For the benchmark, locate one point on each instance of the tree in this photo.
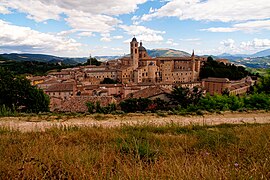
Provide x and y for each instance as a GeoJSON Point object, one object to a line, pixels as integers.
{"type": "Point", "coordinates": [17, 93]}
{"type": "Point", "coordinates": [109, 81]}
{"type": "Point", "coordinates": [93, 61]}
{"type": "Point", "coordinates": [185, 96]}
{"type": "Point", "coordinates": [263, 85]}
{"type": "Point", "coordinates": [220, 70]}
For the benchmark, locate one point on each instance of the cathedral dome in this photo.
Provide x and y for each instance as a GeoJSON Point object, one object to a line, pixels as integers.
{"type": "Point", "coordinates": [141, 48]}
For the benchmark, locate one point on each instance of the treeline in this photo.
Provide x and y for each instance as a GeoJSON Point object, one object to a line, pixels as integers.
{"type": "Point", "coordinates": [220, 70]}
{"type": "Point", "coordinates": [32, 67]}
{"type": "Point", "coordinates": [17, 95]}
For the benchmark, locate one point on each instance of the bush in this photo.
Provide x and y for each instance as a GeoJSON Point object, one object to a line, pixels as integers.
{"type": "Point", "coordinates": [97, 108]}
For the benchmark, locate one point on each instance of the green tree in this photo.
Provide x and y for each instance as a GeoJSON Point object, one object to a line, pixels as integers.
{"type": "Point", "coordinates": [184, 96]}
{"type": "Point", "coordinates": [17, 93]}
{"type": "Point", "coordinates": [263, 84]}
{"type": "Point", "coordinates": [93, 61]}
{"type": "Point", "coordinates": [109, 81]}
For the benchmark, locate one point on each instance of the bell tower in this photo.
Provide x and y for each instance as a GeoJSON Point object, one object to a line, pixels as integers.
{"type": "Point", "coordinates": [134, 53]}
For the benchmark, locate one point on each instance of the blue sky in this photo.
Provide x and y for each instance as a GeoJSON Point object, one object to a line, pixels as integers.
{"type": "Point", "coordinates": [105, 27]}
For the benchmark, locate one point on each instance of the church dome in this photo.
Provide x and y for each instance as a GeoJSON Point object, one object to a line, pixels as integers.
{"type": "Point", "coordinates": [141, 48]}
{"type": "Point", "coordinates": [134, 40]}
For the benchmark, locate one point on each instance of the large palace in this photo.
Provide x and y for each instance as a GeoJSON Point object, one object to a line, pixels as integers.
{"type": "Point", "coordinates": [138, 74]}
{"type": "Point", "coordinates": [139, 67]}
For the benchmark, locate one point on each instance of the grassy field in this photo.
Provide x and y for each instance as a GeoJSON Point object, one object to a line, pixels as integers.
{"type": "Point", "coordinates": [138, 152]}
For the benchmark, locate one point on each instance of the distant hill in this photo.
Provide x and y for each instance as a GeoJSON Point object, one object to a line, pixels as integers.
{"type": "Point", "coordinates": [152, 53]}
{"type": "Point", "coordinates": [262, 53]}
{"type": "Point", "coordinates": [106, 58]}
{"type": "Point", "coordinates": [2, 59]}
{"type": "Point", "coordinates": [167, 53]}
{"type": "Point", "coordinates": [43, 58]}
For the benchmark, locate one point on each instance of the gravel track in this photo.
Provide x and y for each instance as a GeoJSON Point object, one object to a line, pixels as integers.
{"type": "Point", "coordinates": [41, 123]}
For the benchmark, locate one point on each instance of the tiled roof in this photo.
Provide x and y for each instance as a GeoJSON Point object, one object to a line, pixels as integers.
{"type": "Point", "coordinates": [59, 73]}
{"type": "Point", "coordinates": [149, 92]}
{"type": "Point", "coordinates": [211, 79]}
{"type": "Point", "coordinates": [239, 86]}
{"type": "Point", "coordinates": [37, 78]}
{"type": "Point", "coordinates": [61, 87]}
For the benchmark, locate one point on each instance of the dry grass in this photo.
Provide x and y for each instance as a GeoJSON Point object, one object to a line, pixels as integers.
{"type": "Point", "coordinates": [140, 152]}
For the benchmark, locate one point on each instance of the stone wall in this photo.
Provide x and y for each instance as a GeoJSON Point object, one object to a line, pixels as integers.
{"type": "Point", "coordinates": [78, 103]}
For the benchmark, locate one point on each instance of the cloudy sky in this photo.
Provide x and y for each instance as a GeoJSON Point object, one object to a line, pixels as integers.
{"type": "Point", "coordinates": [104, 27]}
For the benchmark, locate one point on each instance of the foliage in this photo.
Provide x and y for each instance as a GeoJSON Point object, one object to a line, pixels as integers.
{"type": "Point", "coordinates": [109, 81]}
{"type": "Point", "coordinates": [6, 111]}
{"type": "Point", "coordinates": [142, 104]}
{"type": "Point", "coordinates": [92, 61]}
{"type": "Point", "coordinates": [32, 67]}
{"type": "Point", "coordinates": [97, 108]}
{"type": "Point", "coordinates": [17, 94]}
{"type": "Point", "coordinates": [220, 70]}
{"type": "Point", "coordinates": [263, 84]}
{"type": "Point", "coordinates": [257, 101]}
{"type": "Point", "coordinates": [3, 59]}
{"type": "Point", "coordinates": [184, 96]}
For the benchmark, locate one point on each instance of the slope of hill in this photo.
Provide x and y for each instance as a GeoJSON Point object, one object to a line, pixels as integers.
{"type": "Point", "coordinates": [43, 58]}
{"type": "Point", "coordinates": [262, 53]}
{"type": "Point", "coordinates": [106, 58]}
{"type": "Point", "coordinates": [167, 53]}
{"type": "Point", "coordinates": [2, 59]}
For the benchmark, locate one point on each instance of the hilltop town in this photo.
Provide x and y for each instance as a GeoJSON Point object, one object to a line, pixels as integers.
{"type": "Point", "coordinates": [136, 75]}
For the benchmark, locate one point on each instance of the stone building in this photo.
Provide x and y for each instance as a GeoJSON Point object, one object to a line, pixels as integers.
{"type": "Point", "coordinates": [141, 68]}
{"type": "Point", "coordinates": [221, 85]}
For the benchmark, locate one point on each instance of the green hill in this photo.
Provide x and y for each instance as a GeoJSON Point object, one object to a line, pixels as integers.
{"type": "Point", "coordinates": [43, 58]}
{"type": "Point", "coordinates": [167, 53]}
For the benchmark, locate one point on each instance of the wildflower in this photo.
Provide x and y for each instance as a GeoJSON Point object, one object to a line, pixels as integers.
{"type": "Point", "coordinates": [236, 165]}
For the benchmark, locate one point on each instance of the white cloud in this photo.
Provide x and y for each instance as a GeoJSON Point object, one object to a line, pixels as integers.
{"type": "Point", "coordinates": [25, 39]}
{"type": "Point", "coordinates": [249, 26]}
{"type": "Point", "coordinates": [213, 10]}
{"type": "Point", "coordinates": [86, 34]}
{"type": "Point", "coordinates": [171, 42]}
{"type": "Point", "coordinates": [4, 10]}
{"type": "Point", "coordinates": [143, 33]}
{"type": "Point", "coordinates": [117, 49]}
{"type": "Point", "coordinates": [256, 43]}
{"type": "Point", "coordinates": [83, 15]}
{"type": "Point", "coordinates": [106, 37]}
{"type": "Point", "coordinates": [91, 23]}
{"type": "Point", "coordinates": [117, 37]}
{"type": "Point", "coordinates": [228, 43]}
{"type": "Point", "coordinates": [190, 39]}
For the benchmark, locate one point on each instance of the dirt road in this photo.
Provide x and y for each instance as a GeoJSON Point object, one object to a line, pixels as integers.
{"type": "Point", "coordinates": [41, 123]}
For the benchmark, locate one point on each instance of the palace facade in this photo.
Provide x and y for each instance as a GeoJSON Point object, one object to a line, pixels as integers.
{"type": "Point", "coordinates": [139, 67]}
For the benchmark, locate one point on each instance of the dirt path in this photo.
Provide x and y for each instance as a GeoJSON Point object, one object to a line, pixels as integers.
{"type": "Point", "coordinates": [41, 123]}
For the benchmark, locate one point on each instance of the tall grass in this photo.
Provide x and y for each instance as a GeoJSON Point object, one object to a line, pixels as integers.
{"type": "Point", "coordinates": [140, 152]}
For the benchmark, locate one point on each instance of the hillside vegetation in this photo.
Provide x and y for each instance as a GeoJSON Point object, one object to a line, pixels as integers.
{"type": "Point", "coordinates": [140, 152]}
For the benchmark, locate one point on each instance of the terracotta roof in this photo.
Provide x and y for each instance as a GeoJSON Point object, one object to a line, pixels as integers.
{"type": "Point", "coordinates": [149, 92]}
{"type": "Point", "coordinates": [37, 78]}
{"type": "Point", "coordinates": [59, 73]}
{"type": "Point", "coordinates": [239, 86]}
{"type": "Point", "coordinates": [51, 81]}
{"type": "Point", "coordinates": [61, 87]}
{"type": "Point", "coordinates": [211, 79]}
